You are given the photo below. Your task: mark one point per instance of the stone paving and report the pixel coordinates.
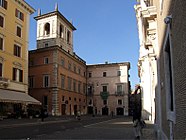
(148, 132)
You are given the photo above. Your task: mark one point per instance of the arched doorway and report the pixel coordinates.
(105, 110)
(119, 111)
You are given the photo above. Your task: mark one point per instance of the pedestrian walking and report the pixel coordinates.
(137, 112)
(42, 114)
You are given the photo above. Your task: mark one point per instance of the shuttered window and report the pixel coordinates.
(19, 14)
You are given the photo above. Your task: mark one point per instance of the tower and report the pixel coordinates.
(53, 29)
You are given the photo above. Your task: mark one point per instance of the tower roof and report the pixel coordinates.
(58, 14)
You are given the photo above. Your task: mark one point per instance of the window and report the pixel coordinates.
(1, 21)
(69, 83)
(46, 60)
(46, 80)
(89, 74)
(4, 4)
(68, 36)
(17, 75)
(90, 90)
(46, 45)
(17, 50)
(104, 74)
(74, 85)
(47, 29)
(18, 32)
(119, 73)
(1, 69)
(119, 88)
(104, 102)
(61, 31)
(63, 98)
(62, 81)
(31, 82)
(63, 62)
(45, 100)
(74, 68)
(69, 65)
(79, 71)
(19, 14)
(31, 62)
(1, 43)
(79, 87)
(119, 102)
(104, 88)
(84, 88)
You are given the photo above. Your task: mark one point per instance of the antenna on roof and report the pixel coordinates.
(56, 7)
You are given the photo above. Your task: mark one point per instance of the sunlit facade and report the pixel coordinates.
(108, 88)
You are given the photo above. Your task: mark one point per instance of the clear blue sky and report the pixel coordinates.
(106, 29)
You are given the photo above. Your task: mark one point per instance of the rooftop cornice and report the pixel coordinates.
(149, 11)
(58, 14)
(111, 64)
(26, 6)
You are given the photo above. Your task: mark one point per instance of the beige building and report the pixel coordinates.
(14, 29)
(167, 18)
(108, 88)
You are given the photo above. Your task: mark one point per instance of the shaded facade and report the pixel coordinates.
(169, 47)
(14, 28)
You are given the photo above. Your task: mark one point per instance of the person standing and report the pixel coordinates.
(42, 114)
(137, 112)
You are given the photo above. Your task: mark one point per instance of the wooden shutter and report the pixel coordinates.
(5, 4)
(1, 21)
(20, 75)
(1, 43)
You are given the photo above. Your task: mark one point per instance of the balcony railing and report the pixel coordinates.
(119, 93)
(104, 95)
(4, 81)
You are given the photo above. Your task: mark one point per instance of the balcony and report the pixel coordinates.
(4, 81)
(119, 93)
(104, 95)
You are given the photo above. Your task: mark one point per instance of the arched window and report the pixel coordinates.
(61, 29)
(47, 29)
(68, 36)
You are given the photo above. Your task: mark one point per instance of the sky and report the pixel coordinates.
(106, 30)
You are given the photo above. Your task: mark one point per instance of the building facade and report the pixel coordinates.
(57, 76)
(169, 47)
(146, 15)
(14, 28)
(108, 88)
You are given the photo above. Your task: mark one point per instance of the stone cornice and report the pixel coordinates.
(26, 6)
(149, 11)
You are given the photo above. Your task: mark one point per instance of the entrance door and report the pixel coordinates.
(120, 111)
(75, 109)
(90, 110)
(63, 109)
(105, 111)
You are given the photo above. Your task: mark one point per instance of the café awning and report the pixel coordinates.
(17, 97)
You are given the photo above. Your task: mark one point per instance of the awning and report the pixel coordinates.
(16, 97)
